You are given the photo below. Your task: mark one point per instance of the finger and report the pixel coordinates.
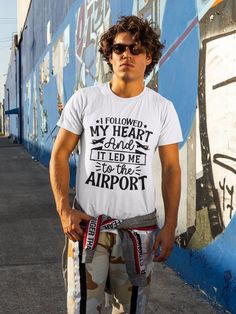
(160, 256)
(168, 253)
(74, 235)
(75, 227)
(71, 237)
(79, 237)
(163, 256)
(160, 250)
(78, 230)
(85, 216)
(156, 244)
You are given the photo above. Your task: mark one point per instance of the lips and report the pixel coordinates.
(127, 65)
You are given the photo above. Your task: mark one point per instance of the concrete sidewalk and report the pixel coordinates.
(31, 242)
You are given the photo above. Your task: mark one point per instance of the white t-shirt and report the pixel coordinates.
(118, 138)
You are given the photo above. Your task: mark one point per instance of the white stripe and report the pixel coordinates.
(73, 290)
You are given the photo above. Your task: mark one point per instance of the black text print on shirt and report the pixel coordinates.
(119, 153)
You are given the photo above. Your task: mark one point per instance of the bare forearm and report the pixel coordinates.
(60, 176)
(171, 186)
(171, 177)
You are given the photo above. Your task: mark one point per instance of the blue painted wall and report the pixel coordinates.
(71, 62)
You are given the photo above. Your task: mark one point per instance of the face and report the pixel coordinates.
(128, 62)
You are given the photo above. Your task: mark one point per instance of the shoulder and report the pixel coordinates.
(161, 103)
(92, 91)
(83, 96)
(158, 97)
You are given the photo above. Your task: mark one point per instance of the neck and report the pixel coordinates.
(126, 89)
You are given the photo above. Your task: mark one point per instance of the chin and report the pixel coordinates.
(126, 77)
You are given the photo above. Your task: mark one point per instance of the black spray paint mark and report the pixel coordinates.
(223, 163)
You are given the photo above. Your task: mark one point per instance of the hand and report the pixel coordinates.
(164, 243)
(71, 219)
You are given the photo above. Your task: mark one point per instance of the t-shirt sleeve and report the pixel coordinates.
(71, 117)
(171, 130)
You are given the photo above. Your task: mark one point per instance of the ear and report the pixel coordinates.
(148, 59)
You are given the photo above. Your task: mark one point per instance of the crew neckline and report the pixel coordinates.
(125, 99)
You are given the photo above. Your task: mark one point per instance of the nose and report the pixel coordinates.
(127, 52)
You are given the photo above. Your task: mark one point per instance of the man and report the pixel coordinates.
(119, 124)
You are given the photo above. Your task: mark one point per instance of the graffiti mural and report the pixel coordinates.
(27, 102)
(92, 20)
(197, 72)
(149, 10)
(44, 78)
(215, 159)
(208, 166)
(60, 58)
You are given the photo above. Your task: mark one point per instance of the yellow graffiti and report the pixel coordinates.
(216, 3)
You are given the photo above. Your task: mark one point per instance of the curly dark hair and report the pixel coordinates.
(141, 31)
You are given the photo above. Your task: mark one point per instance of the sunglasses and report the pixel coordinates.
(133, 48)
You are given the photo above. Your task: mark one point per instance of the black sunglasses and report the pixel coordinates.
(133, 48)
